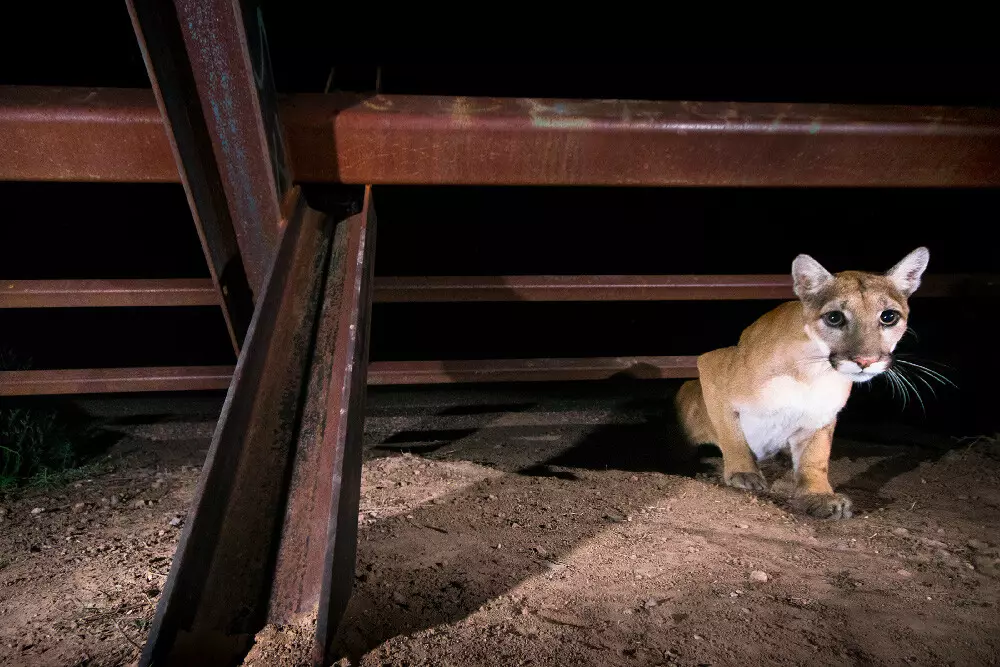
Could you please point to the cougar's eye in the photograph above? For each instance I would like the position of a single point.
(834, 318)
(889, 317)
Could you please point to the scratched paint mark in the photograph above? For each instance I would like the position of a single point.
(561, 123)
(541, 116)
(378, 103)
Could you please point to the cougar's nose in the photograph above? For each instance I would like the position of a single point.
(865, 362)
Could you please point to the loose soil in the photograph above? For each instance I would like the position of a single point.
(534, 527)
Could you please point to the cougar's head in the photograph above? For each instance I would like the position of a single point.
(857, 318)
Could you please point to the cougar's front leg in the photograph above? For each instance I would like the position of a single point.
(738, 462)
(813, 493)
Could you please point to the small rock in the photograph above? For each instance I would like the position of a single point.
(759, 576)
(114, 500)
(633, 478)
(540, 550)
(900, 531)
(742, 526)
(176, 521)
(697, 638)
(491, 497)
(904, 573)
(398, 598)
(140, 503)
(78, 507)
(650, 603)
(38, 510)
(978, 545)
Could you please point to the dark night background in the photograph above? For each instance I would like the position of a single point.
(110, 230)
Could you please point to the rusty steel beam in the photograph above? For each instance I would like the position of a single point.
(455, 289)
(484, 141)
(82, 134)
(114, 380)
(271, 536)
(107, 293)
(210, 69)
(530, 370)
(431, 140)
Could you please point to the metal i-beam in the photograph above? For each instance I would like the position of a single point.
(275, 514)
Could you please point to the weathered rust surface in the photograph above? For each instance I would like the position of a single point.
(215, 598)
(315, 563)
(176, 96)
(107, 293)
(448, 289)
(114, 380)
(214, 34)
(82, 134)
(530, 370)
(283, 470)
(486, 141)
(493, 141)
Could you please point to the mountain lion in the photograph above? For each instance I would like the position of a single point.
(782, 386)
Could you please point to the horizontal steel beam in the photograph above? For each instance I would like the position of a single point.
(456, 289)
(114, 380)
(83, 134)
(123, 380)
(115, 135)
(530, 370)
(107, 293)
(425, 289)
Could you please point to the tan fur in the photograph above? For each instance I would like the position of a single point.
(782, 385)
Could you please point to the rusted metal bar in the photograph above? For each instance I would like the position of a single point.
(214, 89)
(295, 405)
(187, 135)
(322, 508)
(530, 370)
(82, 134)
(489, 141)
(107, 293)
(485, 141)
(454, 289)
(114, 380)
(119, 380)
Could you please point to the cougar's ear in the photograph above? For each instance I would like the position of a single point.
(906, 275)
(808, 276)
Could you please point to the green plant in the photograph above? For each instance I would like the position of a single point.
(33, 441)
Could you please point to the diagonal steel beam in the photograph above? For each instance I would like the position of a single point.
(272, 535)
(210, 68)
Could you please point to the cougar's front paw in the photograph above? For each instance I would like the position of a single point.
(751, 481)
(825, 505)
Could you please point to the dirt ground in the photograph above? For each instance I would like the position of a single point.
(542, 527)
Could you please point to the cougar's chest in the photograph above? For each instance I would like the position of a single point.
(787, 410)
